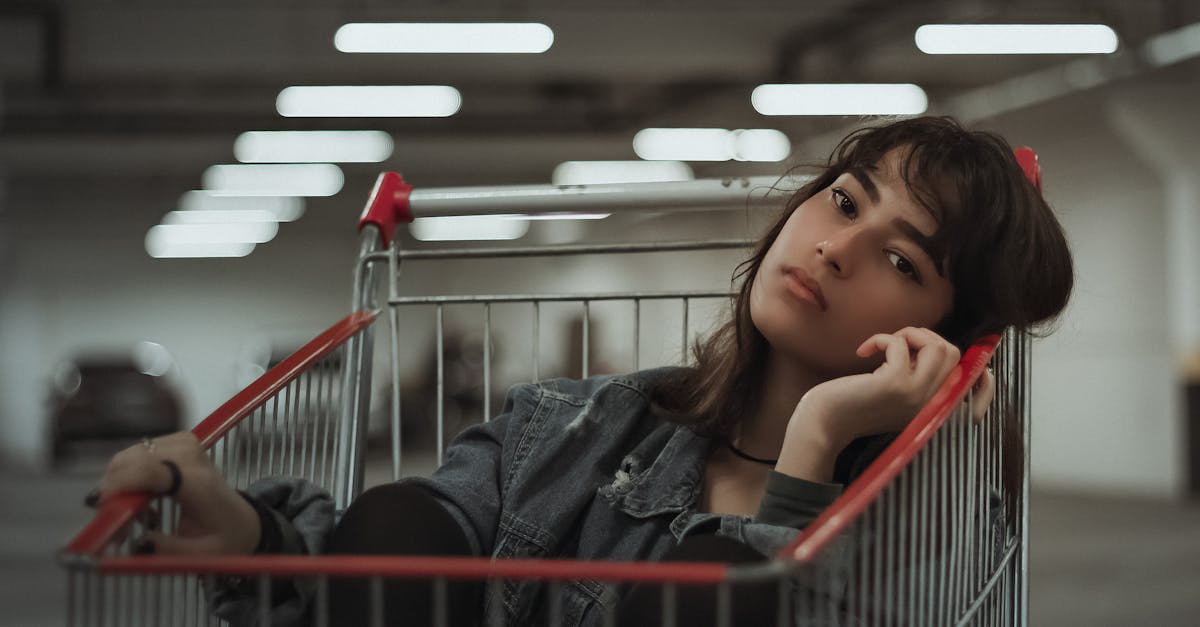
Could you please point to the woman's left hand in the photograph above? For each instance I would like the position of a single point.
(836, 412)
(916, 363)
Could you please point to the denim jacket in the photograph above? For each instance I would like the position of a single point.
(570, 469)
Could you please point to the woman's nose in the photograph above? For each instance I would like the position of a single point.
(837, 250)
(833, 252)
(825, 251)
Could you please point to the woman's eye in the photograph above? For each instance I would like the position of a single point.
(844, 203)
(904, 266)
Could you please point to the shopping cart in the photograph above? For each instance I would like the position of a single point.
(934, 532)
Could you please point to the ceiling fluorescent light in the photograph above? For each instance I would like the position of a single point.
(684, 144)
(711, 144)
(218, 216)
(1016, 39)
(444, 38)
(187, 234)
(313, 147)
(208, 240)
(368, 101)
(300, 179)
(839, 99)
(760, 144)
(284, 208)
(177, 251)
(459, 228)
(602, 172)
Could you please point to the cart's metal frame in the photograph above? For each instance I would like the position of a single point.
(916, 540)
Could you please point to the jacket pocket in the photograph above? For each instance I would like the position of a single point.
(580, 605)
(518, 539)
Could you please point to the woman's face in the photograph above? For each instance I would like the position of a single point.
(849, 263)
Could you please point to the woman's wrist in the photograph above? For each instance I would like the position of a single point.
(810, 447)
(255, 528)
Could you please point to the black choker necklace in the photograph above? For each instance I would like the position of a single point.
(750, 458)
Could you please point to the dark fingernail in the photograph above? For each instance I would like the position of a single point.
(143, 547)
(92, 498)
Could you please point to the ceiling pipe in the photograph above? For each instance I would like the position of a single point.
(1159, 51)
(1057, 81)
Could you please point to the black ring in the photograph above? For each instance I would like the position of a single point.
(176, 478)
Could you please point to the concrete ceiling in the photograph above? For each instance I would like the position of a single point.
(141, 88)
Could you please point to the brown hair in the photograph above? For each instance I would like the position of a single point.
(1005, 255)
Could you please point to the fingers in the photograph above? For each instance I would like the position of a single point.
(917, 362)
(144, 472)
(982, 394)
(938, 358)
(209, 519)
(140, 467)
(893, 346)
(935, 359)
(920, 337)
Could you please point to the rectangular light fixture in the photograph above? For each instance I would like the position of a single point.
(298, 179)
(1016, 39)
(193, 251)
(711, 144)
(444, 38)
(218, 216)
(368, 101)
(312, 147)
(684, 144)
(463, 228)
(208, 240)
(603, 172)
(760, 144)
(241, 232)
(284, 208)
(839, 99)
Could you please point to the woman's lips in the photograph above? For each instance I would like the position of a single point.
(804, 287)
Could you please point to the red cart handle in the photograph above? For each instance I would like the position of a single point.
(115, 513)
(1029, 164)
(387, 206)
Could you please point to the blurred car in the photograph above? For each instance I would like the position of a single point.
(110, 399)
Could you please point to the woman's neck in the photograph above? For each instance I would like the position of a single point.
(784, 383)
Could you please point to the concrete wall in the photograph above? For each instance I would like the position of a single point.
(1106, 394)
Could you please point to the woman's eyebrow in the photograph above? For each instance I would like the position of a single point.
(924, 242)
(864, 179)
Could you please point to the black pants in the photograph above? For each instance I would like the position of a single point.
(403, 520)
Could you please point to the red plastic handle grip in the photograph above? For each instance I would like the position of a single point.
(1029, 163)
(387, 206)
(421, 567)
(118, 511)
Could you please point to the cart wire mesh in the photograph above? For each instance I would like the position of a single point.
(933, 533)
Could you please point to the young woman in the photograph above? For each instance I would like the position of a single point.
(915, 238)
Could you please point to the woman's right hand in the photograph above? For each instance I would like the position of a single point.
(834, 413)
(213, 517)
